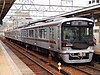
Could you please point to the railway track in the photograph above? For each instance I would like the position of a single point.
(28, 59)
(89, 70)
(95, 65)
(49, 68)
(66, 69)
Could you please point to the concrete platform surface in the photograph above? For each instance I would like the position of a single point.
(10, 64)
(97, 48)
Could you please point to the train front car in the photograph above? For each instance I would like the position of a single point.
(77, 40)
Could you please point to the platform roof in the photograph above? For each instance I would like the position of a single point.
(91, 11)
(5, 5)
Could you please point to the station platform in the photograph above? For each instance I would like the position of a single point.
(10, 64)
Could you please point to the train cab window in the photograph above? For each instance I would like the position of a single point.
(69, 33)
(77, 33)
(31, 33)
(43, 33)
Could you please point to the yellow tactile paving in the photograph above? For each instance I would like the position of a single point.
(4, 69)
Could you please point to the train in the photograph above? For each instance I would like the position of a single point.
(71, 39)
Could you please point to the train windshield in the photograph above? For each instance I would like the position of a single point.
(79, 33)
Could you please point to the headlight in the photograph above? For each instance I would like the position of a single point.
(90, 23)
(69, 44)
(67, 22)
(90, 47)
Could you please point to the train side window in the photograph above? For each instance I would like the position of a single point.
(89, 2)
(43, 33)
(24, 33)
(31, 33)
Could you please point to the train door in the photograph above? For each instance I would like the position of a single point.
(51, 38)
(36, 36)
(24, 35)
(58, 37)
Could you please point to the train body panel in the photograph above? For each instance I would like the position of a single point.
(64, 37)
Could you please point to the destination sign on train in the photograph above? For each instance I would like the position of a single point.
(79, 23)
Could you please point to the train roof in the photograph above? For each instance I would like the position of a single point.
(52, 22)
(76, 18)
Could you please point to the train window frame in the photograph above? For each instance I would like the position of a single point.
(31, 33)
(24, 33)
(43, 33)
